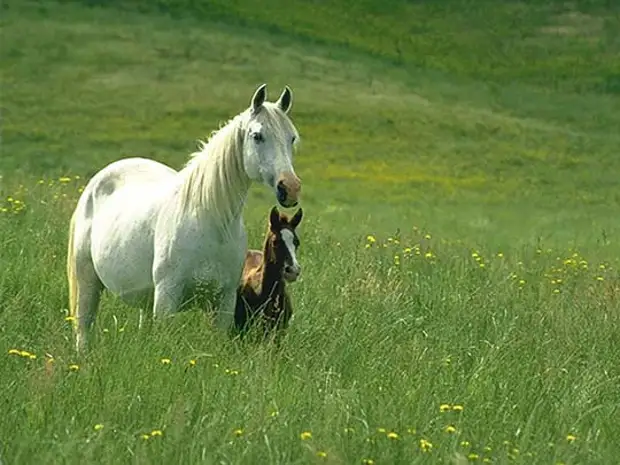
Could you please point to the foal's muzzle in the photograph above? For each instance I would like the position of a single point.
(291, 273)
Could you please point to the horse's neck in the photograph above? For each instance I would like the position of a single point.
(217, 185)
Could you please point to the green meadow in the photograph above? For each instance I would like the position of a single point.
(460, 295)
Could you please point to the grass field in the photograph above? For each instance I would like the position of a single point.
(460, 295)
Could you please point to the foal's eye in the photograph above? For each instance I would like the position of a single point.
(258, 137)
(293, 139)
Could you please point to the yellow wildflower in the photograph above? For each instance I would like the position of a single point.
(192, 363)
(393, 435)
(500, 254)
(238, 432)
(486, 460)
(157, 432)
(457, 408)
(368, 462)
(145, 436)
(381, 430)
(349, 430)
(371, 239)
(425, 445)
(428, 255)
(473, 456)
(98, 427)
(321, 454)
(556, 291)
(522, 282)
(14, 352)
(427, 236)
(465, 443)
(69, 318)
(450, 429)
(305, 435)
(166, 361)
(396, 260)
(444, 407)
(600, 278)
(571, 438)
(74, 367)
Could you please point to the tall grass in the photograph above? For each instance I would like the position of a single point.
(390, 334)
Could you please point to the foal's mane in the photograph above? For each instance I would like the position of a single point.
(214, 177)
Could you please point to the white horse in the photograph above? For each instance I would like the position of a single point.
(148, 233)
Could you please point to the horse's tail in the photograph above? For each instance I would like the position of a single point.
(71, 276)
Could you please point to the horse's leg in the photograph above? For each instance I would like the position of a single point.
(89, 288)
(168, 297)
(225, 314)
(85, 287)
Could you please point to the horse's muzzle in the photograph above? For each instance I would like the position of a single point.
(288, 190)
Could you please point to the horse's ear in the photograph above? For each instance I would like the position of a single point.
(297, 218)
(274, 219)
(285, 102)
(259, 98)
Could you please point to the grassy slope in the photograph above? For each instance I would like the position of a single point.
(400, 134)
(486, 165)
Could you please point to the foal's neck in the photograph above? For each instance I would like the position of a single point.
(271, 282)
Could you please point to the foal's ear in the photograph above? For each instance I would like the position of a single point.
(285, 102)
(259, 98)
(274, 219)
(297, 218)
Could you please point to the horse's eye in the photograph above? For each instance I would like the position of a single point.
(258, 137)
(293, 139)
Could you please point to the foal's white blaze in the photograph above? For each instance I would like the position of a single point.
(292, 270)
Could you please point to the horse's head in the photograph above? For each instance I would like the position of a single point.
(284, 243)
(269, 139)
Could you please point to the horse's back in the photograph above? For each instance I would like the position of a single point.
(128, 172)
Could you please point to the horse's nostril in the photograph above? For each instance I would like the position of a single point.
(281, 192)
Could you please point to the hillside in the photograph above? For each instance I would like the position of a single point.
(447, 135)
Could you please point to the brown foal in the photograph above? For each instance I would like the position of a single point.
(262, 293)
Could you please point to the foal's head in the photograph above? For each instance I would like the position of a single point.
(282, 243)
